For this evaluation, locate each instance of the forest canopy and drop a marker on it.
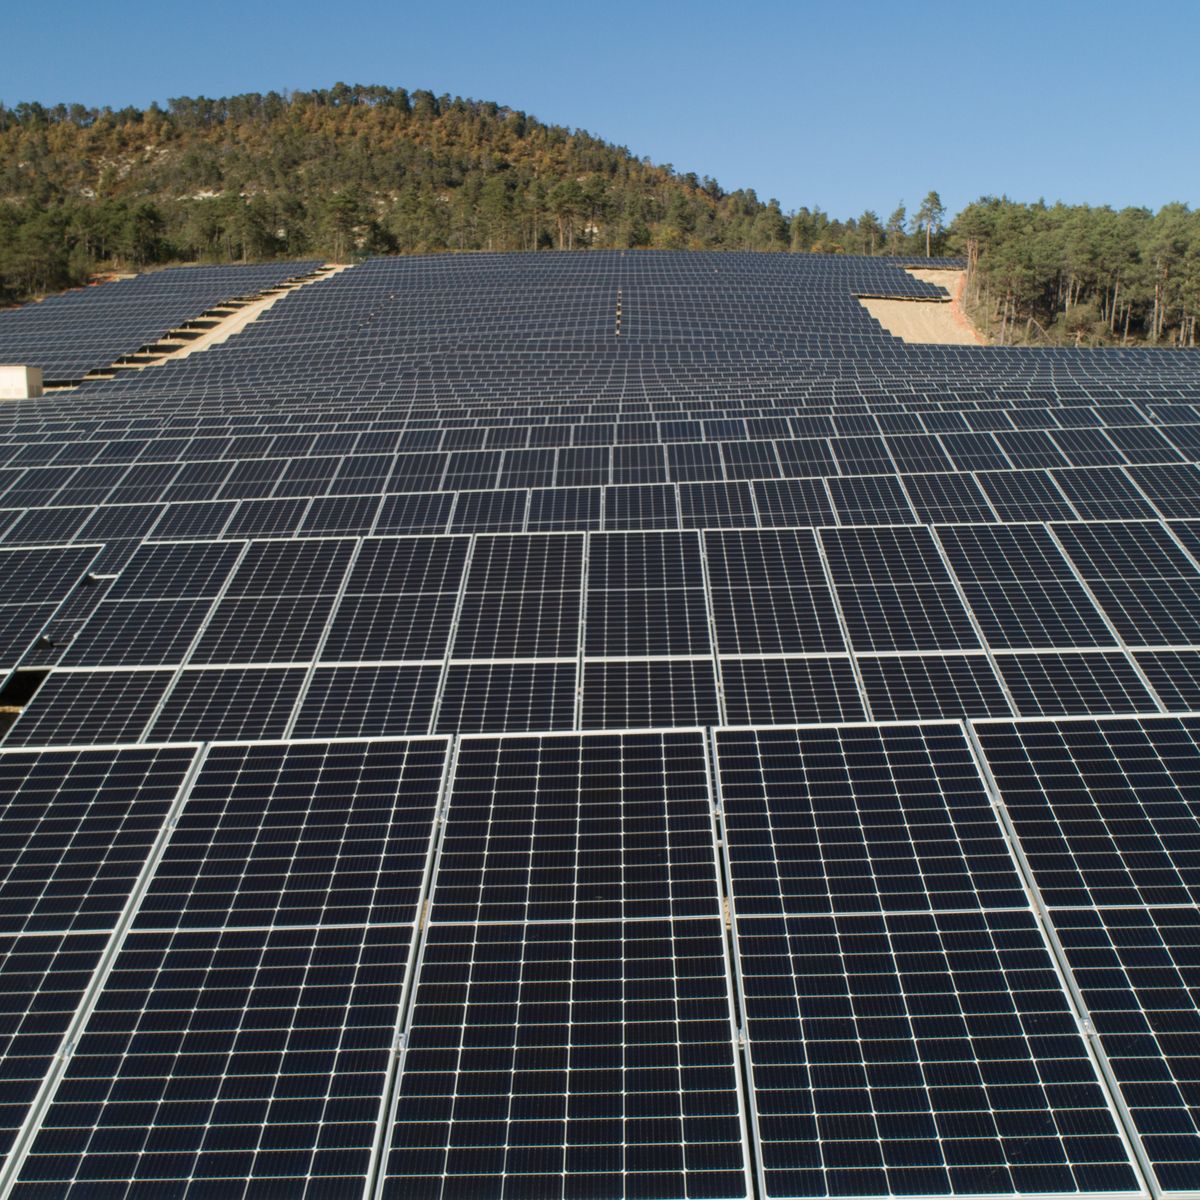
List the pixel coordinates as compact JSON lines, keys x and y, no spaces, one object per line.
{"x":356,"y":170}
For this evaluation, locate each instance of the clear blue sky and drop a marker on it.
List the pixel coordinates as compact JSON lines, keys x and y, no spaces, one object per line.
{"x":847,"y":106}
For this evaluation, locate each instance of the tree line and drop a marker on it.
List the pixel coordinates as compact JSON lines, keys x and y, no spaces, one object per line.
{"x":355,"y":170}
{"x":1077,"y":274}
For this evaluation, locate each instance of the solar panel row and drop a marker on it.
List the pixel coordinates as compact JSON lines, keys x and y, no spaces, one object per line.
{"x":469,"y":750}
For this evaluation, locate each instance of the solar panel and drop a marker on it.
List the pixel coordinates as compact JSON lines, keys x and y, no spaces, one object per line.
{"x":309,"y":833}
{"x":924,"y":687}
{"x":76,"y":829}
{"x":891,"y":1055}
{"x":594,"y":1057}
{"x":43,"y":978}
{"x":572,"y":1014}
{"x":1055,"y":685}
{"x":769,"y":593}
{"x":89,"y":706}
{"x":507,"y":697}
{"x":521,"y":598}
{"x":1174,"y":675}
{"x":787,"y":691}
{"x":645,"y":595}
{"x":1020,"y":588}
{"x":227,"y":703}
{"x":860,"y":819}
{"x":1136,"y":970}
{"x":1104,"y":809}
{"x":283,"y":1038}
{"x":367,"y":701}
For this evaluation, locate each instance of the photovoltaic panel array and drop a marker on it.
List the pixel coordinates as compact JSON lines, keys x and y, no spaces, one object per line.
{"x":593,"y":726}
{"x":79,"y":331}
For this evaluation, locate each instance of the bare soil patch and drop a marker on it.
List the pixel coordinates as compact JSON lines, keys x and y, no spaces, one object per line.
{"x":928,"y":322}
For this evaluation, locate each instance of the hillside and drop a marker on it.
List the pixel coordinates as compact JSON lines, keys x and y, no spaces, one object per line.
{"x":349,"y":171}
{"x":334,"y":172}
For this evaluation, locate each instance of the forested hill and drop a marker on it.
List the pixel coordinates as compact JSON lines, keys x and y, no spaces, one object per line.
{"x":348,"y":171}
{"x":334,"y":172}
